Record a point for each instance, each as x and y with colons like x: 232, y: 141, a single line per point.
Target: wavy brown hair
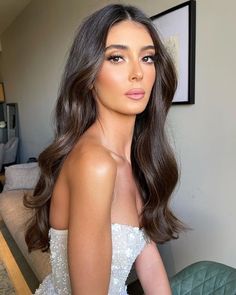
x: 153, y: 163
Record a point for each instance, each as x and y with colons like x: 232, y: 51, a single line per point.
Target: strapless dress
x: 127, y: 243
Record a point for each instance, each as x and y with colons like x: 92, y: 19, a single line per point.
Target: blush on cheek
x: 151, y: 76
x: 109, y: 76
x: 110, y: 83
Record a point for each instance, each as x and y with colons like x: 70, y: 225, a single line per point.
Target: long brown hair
x: 153, y: 163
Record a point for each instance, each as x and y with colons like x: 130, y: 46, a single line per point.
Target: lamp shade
x: 2, y: 95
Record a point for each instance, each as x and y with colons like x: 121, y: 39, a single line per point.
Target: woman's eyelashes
x: 118, y: 58
x: 149, y: 58
x: 115, y: 58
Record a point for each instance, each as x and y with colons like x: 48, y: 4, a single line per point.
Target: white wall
x: 205, y: 136
x: 34, y: 50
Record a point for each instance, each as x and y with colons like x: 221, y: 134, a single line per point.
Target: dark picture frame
x: 177, y: 29
x: 2, y: 92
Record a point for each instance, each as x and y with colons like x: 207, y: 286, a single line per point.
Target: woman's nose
x: 136, y: 72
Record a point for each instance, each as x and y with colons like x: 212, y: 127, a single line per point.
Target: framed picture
x: 2, y: 94
x: 177, y: 29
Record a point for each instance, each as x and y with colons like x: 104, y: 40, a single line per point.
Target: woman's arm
x: 151, y: 271
x: 91, y: 179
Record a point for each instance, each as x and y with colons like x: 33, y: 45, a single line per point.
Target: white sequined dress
x: 127, y: 243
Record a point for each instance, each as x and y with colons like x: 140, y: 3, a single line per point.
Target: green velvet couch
x: 205, y: 278
x: 201, y: 278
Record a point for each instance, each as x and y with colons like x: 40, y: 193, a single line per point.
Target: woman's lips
x: 136, y: 93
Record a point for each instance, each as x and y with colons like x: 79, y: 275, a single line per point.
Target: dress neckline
x: 128, y: 225
x: 113, y: 223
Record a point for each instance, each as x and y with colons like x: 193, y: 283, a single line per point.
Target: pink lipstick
x: 135, y: 93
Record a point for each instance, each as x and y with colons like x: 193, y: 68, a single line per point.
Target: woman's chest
x: 127, y: 202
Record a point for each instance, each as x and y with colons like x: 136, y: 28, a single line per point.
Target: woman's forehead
x: 128, y: 32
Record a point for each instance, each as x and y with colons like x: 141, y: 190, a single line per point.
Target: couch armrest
x: 15, y: 216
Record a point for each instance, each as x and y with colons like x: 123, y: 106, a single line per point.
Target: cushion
x: 21, y: 176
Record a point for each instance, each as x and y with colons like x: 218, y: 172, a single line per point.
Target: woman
x: 107, y: 178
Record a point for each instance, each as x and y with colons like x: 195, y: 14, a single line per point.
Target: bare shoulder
x: 90, y: 174
x: 90, y: 159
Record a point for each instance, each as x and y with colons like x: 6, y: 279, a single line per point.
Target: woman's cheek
x: 114, y: 75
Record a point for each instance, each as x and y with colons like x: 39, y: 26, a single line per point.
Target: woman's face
x: 125, y: 80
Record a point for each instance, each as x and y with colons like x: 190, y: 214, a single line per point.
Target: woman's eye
x: 149, y: 59
x: 115, y: 58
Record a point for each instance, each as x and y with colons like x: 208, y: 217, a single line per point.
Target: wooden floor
x: 12, y: 268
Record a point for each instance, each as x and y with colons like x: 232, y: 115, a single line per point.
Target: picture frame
x: 177, y: 29
x: 2, y: 92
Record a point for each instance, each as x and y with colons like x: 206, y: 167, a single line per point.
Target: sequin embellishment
x: 127, y: 243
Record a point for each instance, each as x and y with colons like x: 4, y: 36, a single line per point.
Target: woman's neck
x: 116, y: 133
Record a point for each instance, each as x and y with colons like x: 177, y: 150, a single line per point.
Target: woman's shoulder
x: 90, y: 156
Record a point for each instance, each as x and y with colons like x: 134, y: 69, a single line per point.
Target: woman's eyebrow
x: 125, y: 47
